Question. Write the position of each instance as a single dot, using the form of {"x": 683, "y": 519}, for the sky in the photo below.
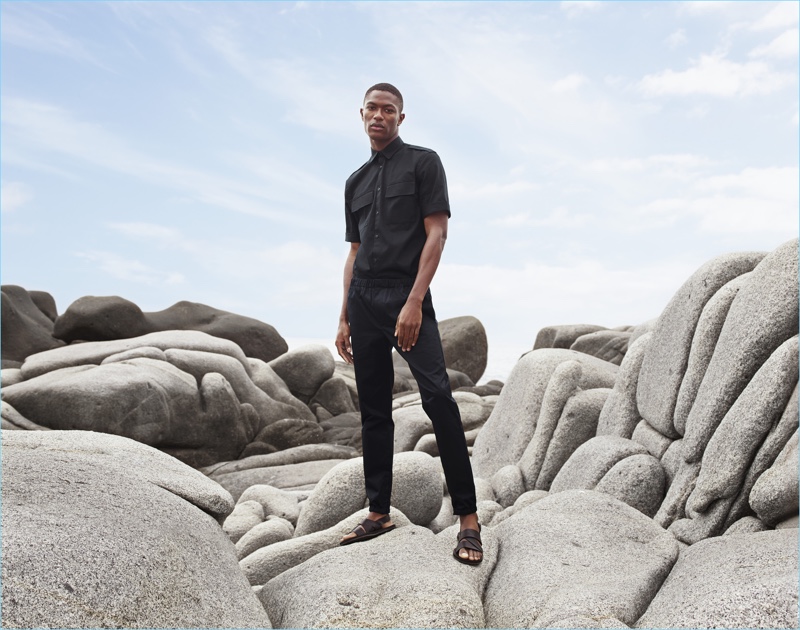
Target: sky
{"x": 597, "y": 153}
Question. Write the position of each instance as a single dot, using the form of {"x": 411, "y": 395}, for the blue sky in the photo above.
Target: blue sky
{"x": 597, "y": 153}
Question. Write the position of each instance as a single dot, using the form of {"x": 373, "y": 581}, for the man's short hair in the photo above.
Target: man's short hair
{"x": 386, "y": 87}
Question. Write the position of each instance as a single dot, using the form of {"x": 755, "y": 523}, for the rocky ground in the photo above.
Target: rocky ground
{"x": 183, "y": 469}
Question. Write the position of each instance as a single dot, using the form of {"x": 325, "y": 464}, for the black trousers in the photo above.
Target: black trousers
{"x": 373, "y": 307}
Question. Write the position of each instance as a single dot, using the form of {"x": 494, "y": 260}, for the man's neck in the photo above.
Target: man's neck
{"x": 381, "y": 145}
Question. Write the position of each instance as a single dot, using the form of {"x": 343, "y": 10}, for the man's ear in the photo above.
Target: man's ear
{"x": 361, "y": 111}
{"x": 400, "y": 119}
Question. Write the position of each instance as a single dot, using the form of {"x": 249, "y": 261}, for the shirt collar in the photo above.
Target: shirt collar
{"x": 393, "y": 147}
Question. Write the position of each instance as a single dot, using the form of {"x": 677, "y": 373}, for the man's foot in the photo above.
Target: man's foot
{"x": 374, "y": 525}
{"x": 469, "y": 549}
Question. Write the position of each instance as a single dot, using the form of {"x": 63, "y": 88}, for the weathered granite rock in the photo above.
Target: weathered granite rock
{"x": 285, "y": 477}
{"x": 274, "y": 501}
{"x": 667, "y": 354}
{"x": 304, "y": 369}
{"x": 10, "y": 376}
{"x": 419, "y": 585}
{"x": 296, "y": 455}
{"x": 268, "y": 532}
{"x": 763, "y": 315}
{"x": 769, "y": 450}
{"x": 577, "y": 425}
{"x": 562, "y": 336}
{"x": 561, "y": 544}
{"x": 683, "y": 480}
{"x": 620, "y": 415}
{"x": 746, "y": 525}
{"x": 609, "y": 345}
{"x": 101, "y": 531}
{"x": 738, "y": 437}
{"x": 93, "y": 353}
{"x": 638, "y": 480}
{"x": 410, "y": 424}
{"x": 151, "y": 401}
{"x": 106, "y": 318}
{"x": 416, "y": 492}
{"x": 245, "y": 516}
{"x": 46, "y": 303}
{"x": 26, "y": 329}
{"x": 774, "y": 497}
{"x": 592, "y": 460}
{"x": 747, "y": 581}
{"x": 508, "y": 484}
{"x": 709, "y": 326}
{"x": 652, "y": 440}
{"x": 14, "y": 420}
{"x": 334, "y": 395}
{"x": 265, "y": 378}
{"x": 563, "y": 384}
{"x": 512, "y": 423}
{"x": 263, "y": 564}
{"x": 291, "y": 432}
{"x": 523, "y": 501}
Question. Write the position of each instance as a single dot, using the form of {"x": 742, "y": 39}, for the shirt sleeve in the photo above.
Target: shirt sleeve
{"x": 351, "y": 233}
{"x": 432, "y": 185}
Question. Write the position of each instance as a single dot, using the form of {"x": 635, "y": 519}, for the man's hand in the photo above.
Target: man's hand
{"x": 343, "y": 345}
{"x": 408, "y": 324}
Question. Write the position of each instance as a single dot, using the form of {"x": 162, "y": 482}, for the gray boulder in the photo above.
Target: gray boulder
{"x": 592, "y": 460}
{"x": 416, "y": 492}
{"x": 508, "y": 484}
{"x": 289, "y": 476}
{"x": 620, "y": 415}
{"x": 609, "y": 345}
{"x": 291, "y": 432}
{"x": 197, "y": 421}
{"x": 245, "y": 516}
{"x": 274, "y": 501}
{"x": 512, "y": 423}
{"x": 774, "y": 497}
{"x": 26, "y": 328}
{"x": 561, "y": 544}
{"x": 265, "y": 378}
{"x": 419, "y": 585}
{"x": 562, "y": 336}
{"x": 652, "y": 440}
{"x": 763, "y": 315}
{"x": 667, "y": 354}
{"x": 334, "y": 396}
{"x": 102, "y": 531}
{"x": 638, "y": 480}
{"x": 268, "y": 532}
{"x": 269, "y": 561}
{"x": 746, "y": 525}
{"x": 107, "y": 318}
{"x": 295, "y": 455}
{"x": 747, "y": 581}
{"x": 304, "y": 369}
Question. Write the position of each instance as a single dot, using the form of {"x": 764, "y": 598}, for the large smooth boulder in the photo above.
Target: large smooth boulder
{"x": 101, "y": 531}
{"x": 620, "y": 415}
{"x": 774, "y": 497}
{"x": 667, "y": 354}
{"x": 592, "y": 460}
{"x": 286, "y": 477}
{"x": 93, "y": 318}
{"x": 304, "y": 369}
{"x": 609, "y": 345}
{"x": 744, "y": 581}
{"x": 26, "y": 329}
{"x": 581, "y": 553}
{"x": 563, "y": 336}
{"x": 418, "y": 585}
{"x": 416, "y": 492}
{"x": 512, "y": 423}
{"x": 151, "y": 401}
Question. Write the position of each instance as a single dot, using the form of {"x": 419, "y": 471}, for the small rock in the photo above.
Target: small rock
{"x": 245, "y": 516}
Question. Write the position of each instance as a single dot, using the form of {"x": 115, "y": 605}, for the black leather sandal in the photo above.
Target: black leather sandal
{"x": 468, "y": 539}
{"x": 367, "y": 529}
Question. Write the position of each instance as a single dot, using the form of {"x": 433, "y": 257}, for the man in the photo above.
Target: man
{"x": 396, "y": 213}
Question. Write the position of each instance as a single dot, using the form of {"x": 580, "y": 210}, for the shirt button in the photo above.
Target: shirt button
{"x": 379, "y": 189}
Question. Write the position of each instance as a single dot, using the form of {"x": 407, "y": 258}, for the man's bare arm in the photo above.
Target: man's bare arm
{"x": 343, "y": 345}
{"x": 410, "y": 318}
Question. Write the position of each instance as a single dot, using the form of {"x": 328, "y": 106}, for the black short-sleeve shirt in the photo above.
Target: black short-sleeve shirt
{"x": 385, "y": 203}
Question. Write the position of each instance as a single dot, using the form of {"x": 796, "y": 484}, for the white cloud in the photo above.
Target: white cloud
{"x": 570, "y": 83}
{"x": 784, "y": 46}
{"x": 130, "y": 270}
{"x": 677, "y": 38}
{"x": 783, "y": 15}
{"x": 707, "y": 6}
{"x": 560, "y": 218}
{"x": 14, "y": 195}
{"x": 716, "y": 76}
{"x": 578, "y": 8}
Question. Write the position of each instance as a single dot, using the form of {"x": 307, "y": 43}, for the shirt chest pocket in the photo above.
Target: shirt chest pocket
{"x": 401, "y": 202}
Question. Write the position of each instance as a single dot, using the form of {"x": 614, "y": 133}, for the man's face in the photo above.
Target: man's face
{"x": 382, "y": 117}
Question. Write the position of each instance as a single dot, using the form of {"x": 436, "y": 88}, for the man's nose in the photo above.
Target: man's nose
{"x": 378, "y": 114}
